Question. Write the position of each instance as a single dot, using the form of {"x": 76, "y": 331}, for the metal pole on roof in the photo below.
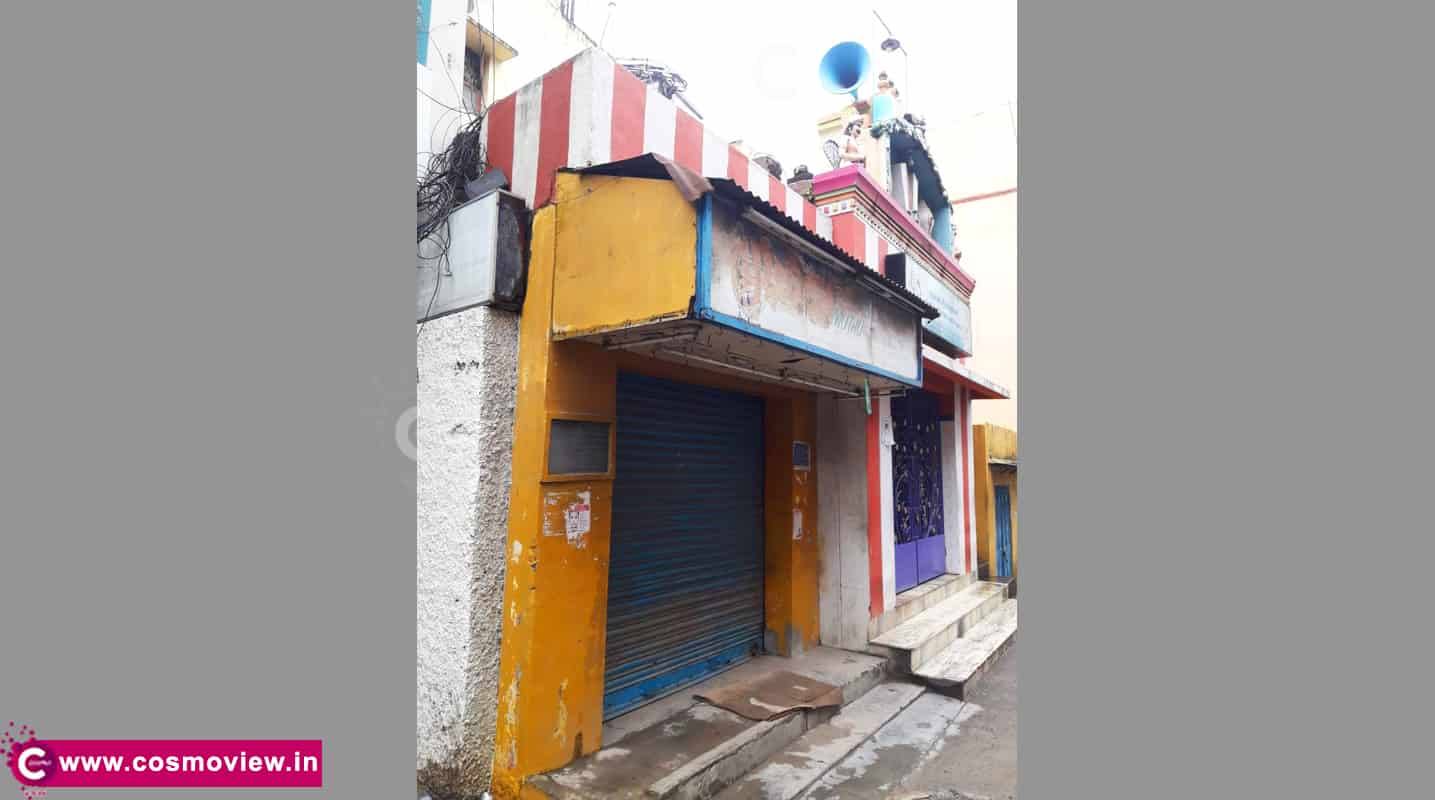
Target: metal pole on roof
{"x": 888, "y": 45}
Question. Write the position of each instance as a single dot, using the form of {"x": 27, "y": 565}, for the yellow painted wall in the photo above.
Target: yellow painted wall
{"x": 1001, "y": 442}
{"x": 550, "y": 701}
{"x": 629, "y": 254}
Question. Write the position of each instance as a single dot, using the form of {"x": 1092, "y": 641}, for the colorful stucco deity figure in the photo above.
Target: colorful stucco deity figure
{"x": 851, "y": 145}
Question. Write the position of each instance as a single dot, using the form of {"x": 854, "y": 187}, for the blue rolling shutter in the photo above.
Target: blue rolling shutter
{"x": 685, "y": 574}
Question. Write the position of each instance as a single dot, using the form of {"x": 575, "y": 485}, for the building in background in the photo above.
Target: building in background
{"x": 471, "y": 52}
{"x": 995, "y": 467}
{"x": 981, "y": 179}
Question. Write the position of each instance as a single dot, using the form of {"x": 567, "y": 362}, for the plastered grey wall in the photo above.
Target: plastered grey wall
{"x": 843, "y": 584}
{"x": 467, "y": 381}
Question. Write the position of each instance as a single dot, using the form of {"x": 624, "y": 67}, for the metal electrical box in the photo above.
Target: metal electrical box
{"x": 486, "y": 262}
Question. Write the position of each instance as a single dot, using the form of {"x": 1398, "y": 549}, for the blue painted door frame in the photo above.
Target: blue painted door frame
{"x": 1003, "y": 503}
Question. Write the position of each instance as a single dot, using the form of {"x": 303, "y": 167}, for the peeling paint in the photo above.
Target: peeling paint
{"x": 510, "y": 718}
{"x": 560, "y": 729}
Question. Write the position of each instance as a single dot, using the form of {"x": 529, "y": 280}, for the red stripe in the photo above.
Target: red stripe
{"x": 500, "y": 134}
{"x": 737, "y": 166}
{"x": 777, "y": 193}
{"x": 966, "y": 475}
{"x": 881, "y": 254}
{"x": 630, "y": 96}
{"x": 874, "y": 511}
{"x": 809, "y": 216}
{"x": 849, "y": 234}
{"x": 688, "y": 144}
{"x": 553, "y": 130}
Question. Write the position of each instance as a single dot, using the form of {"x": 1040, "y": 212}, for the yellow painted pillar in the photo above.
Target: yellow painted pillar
{"x": 550, "y": 703}
{"x": 791, "y": 550}
{"x": 985, "y": 499}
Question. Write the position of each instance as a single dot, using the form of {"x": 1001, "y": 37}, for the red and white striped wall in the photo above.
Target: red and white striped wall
{"x": 589, "y": 110}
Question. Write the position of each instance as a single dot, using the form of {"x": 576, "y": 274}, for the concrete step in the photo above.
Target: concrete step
{"x": 878, "y": 767}
{"x": 915, "y": 641}
{"x": 916, "y": 600}
{"x": 680, "y": 748}
{"x": 798, "y": 766}
{"x": 955, "y": 668}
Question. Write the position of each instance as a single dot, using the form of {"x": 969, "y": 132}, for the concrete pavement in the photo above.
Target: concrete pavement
{"x": 977, "y": 757}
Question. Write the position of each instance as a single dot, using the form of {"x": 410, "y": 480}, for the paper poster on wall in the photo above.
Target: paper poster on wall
{"x": 578, "y": 519}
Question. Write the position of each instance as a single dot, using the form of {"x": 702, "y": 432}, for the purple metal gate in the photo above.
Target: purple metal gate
{"x": 921, "y": 550}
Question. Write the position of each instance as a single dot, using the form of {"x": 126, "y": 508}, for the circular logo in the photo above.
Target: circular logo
{"x": 34, "y": 763}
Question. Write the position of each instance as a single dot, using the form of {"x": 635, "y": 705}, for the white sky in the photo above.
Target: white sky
{"x": 751, "y": 69}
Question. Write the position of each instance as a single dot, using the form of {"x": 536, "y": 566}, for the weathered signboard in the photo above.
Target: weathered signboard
{"x": 775, "y": 290}
{"x": 954, "y": 326}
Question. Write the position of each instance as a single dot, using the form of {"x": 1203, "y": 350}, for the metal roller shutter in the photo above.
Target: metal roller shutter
{"x": 685, "y": 579}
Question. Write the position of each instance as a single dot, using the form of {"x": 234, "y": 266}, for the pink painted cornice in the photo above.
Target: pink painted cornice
{"x": 853, "y": 176}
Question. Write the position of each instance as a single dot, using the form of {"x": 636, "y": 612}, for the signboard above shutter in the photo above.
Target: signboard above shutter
{"x": 952, "y": 331}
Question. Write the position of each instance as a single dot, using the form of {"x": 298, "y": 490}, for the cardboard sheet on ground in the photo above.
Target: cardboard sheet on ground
{"x": 772, "y": 695}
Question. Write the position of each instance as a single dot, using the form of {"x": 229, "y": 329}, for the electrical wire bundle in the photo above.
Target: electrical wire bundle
{"x": 442, "y": 188}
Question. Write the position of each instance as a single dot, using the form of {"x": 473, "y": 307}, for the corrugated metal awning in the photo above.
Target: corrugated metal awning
{"x": 693, "y": 186}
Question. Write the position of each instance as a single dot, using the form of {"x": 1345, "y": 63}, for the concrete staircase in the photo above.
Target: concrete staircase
{"x": 949, "y": 644}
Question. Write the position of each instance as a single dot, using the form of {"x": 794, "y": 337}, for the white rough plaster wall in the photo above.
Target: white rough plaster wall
{"x": 467, "y": 381}
{"x": 842, "y": 522}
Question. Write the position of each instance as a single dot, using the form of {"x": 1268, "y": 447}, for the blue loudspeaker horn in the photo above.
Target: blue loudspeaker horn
{"x": 844, "y": 68}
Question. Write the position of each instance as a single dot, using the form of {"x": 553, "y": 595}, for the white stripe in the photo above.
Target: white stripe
{"x": 526, "y": 119}
{"x": 952, "y": 528}
{"x": 714, "y": 154}
{"x": 660, "y": 123}
{"x": 869, "y": 256}
{"x": 757, "y": 179}
{"x": 889, "y": 537}
{"x": 966, "y": 403}
{"x": 590, "y": 112}
{"x": 824, "y": 225}
{"x": 794, "y": 205}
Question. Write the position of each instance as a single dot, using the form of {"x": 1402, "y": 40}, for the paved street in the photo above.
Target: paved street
{"x": 978, "y": 758}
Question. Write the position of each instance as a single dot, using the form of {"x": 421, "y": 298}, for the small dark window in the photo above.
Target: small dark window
{"x": 578, "y": 448}
{"x": 895, "y": 267}
{"x": 801, "y": 455}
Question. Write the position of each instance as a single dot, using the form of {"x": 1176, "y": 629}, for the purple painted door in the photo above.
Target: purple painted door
{"x": 921, "y": 549}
